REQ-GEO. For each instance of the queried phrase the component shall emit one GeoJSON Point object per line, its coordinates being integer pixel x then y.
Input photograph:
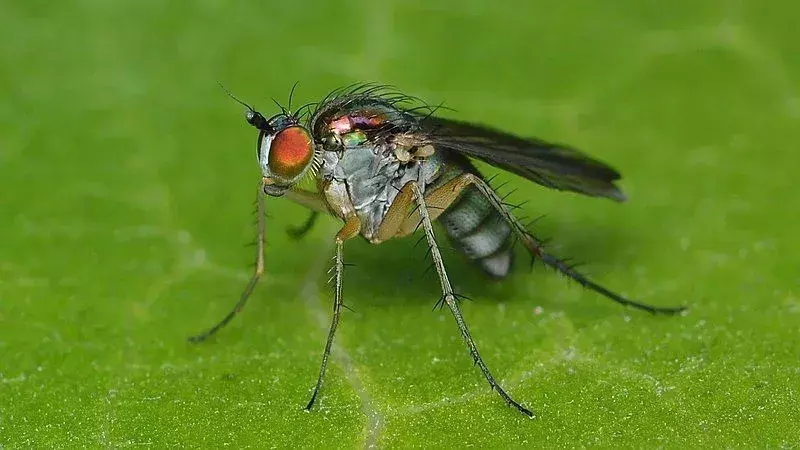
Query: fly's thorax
{"type": "Point", "coordinates": [342, 124]}
{"type": "Point", "coordinates": [372, 176]}
{"type": "Point", "coordinates": [342, 117]}
{"type": "Point", "coordinates": [336, 197]}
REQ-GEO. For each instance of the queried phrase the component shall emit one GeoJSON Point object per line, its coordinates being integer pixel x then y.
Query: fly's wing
{"type": "Point", "coordinates": [551, 165]}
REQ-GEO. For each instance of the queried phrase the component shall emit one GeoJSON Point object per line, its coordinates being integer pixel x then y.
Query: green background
{"type": "Point", "coordinates": [126, 186]}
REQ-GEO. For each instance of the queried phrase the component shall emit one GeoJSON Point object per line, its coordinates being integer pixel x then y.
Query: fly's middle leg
{"type": "Point", "coordinates": [449, 297]}
{"type": "Point", "coordinates": [349, 231]}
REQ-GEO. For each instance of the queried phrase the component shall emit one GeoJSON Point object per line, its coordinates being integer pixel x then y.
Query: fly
{"type": "Point", "coordinates": [386, 166]}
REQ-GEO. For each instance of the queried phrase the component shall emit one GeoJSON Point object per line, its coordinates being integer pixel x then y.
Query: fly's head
{"type": "Point", "coordinates": [286, 150]}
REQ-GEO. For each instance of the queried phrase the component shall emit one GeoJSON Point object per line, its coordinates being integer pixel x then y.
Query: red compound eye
{"type": "Point", "coordinates": [290, 152]}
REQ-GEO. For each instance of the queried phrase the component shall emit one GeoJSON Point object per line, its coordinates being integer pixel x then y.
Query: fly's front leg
{"type": "Point", "coordinates": [311, 200]}
{"type": "Point", "coordinates": [535, 248]}
{"type": "Point", "coordinates": [350, 230]}
{"type": "Point", "coordinates": [259, 269]}
{"type": "Point", "coordinates": [449, 298]}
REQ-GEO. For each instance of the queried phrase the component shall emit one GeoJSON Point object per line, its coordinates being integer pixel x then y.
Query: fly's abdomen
{"type": "Point", "coordinates": [479, 232]}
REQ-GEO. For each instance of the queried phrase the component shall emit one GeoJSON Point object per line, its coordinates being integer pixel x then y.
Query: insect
{"type": "Point", "coordinates": [386, 166]}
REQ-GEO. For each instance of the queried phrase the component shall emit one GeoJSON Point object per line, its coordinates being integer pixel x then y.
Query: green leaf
{"type": "Point", "coordinates": [126, 186]}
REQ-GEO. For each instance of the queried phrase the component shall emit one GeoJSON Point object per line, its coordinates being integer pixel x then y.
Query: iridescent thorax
{"type": "Point", "coordinates": [364, 175]}
{"type": "Point", "coordinates": [362, 121]}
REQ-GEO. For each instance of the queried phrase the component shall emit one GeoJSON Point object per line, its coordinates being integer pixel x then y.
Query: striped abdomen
{"type": "Point", "coordinates": [479, 232]}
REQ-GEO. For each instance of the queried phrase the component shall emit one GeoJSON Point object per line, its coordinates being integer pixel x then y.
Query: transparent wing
{"type": "Point", "coordinates": [552, 165]}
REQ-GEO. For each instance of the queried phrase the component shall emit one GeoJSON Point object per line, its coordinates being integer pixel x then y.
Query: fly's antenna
{"type": "Point", "coordinates": [234, 97]}
{"type": "Point", "coordinates": [252, 116]}
{"type": "Point", "coordinates": [291, 95]}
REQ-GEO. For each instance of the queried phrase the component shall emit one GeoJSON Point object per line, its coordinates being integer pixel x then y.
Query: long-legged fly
{"type": "Point", "coordinates": [386, 165]}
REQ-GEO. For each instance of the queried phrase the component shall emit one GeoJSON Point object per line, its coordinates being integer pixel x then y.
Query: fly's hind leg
{"type": "Point", "coordinates": [449, 298]}
{"type": "Point", "coordinates": [535, 248]}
